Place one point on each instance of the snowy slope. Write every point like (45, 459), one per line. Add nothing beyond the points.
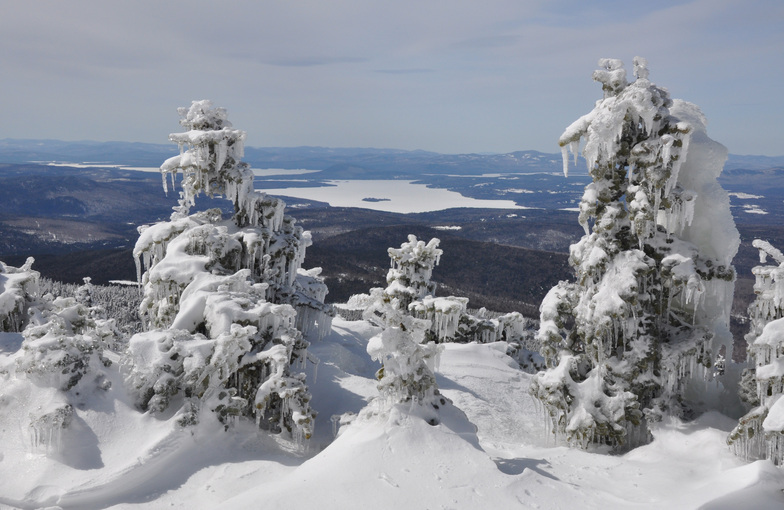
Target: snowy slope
(489, 451)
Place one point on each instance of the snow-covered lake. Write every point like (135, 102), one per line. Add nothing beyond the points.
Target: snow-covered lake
(390, 196)
(380, 195)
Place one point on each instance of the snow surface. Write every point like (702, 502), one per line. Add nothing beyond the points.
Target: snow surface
(489, 451)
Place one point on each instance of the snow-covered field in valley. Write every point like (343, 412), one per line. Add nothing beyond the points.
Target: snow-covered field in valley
(490, 449)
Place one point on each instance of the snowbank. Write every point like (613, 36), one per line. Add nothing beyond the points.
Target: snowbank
(489, 451)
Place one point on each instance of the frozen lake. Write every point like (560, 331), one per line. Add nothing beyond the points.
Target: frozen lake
(390, 196)
(396, 196)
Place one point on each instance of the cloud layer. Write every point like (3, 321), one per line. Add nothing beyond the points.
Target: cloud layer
(450, 76)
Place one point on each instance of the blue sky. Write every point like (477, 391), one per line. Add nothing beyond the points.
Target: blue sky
(450, 76)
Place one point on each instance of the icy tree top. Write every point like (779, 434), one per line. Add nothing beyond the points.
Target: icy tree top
(202, 116)
(634, 148)
(416, 256)
(650, 159)
(210, 154)
(412, 267)
(639, 105)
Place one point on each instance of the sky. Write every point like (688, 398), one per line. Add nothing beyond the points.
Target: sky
(450, 76)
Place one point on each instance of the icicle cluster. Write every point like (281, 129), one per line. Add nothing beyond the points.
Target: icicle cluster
(444, 314)
(47, 426)
(18, 290)
(214, 338)
(760, 433)
(654, 283)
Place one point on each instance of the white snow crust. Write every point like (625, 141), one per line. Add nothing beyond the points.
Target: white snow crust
(489, 450)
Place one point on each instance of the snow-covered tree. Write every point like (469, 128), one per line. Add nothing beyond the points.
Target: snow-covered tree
(649, 308)
(760, 433)
(408, 359)
(63, 354)
(409, 282)
(18, 289)
(225, 300)
(64, 343)
(409, 299)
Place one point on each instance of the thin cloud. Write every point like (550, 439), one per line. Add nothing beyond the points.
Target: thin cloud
(416, 70)
(495, 76)
(314, 61)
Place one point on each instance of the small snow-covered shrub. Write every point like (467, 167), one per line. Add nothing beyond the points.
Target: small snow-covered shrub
(120, 302)
(64, 343)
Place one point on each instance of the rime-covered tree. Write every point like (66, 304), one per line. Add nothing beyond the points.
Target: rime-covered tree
(760, 433)
(408, 359)
(65, 341)
(18, 290)
(415, 321)
(409, 282)
(226, 304)
(649, 307)
(63, 354)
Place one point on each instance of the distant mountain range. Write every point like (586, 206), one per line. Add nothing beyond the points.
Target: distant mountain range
(335, 163)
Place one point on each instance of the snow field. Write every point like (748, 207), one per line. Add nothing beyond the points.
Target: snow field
(489, 451)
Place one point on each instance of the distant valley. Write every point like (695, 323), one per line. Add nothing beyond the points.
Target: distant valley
(81, 221)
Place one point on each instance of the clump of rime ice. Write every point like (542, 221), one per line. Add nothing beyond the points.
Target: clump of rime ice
(760, 433)
(226, 303)
(650, 304)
